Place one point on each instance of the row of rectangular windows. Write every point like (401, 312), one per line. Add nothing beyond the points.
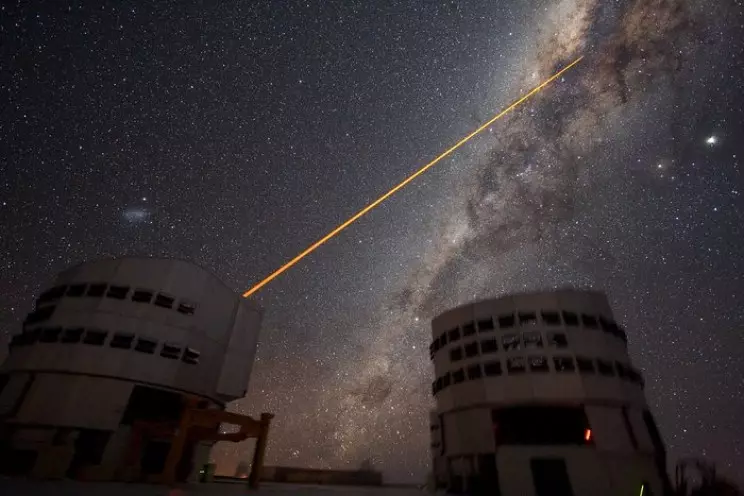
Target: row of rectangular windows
(509, 342)
(511, 320)
(97, 337)
(99, 290)
(538, 364)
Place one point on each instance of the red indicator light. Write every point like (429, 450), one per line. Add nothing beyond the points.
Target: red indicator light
(588, 435)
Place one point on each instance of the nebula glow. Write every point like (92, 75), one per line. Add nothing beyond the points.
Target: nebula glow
(136, 215)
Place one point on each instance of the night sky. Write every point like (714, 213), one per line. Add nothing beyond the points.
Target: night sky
(233, 134)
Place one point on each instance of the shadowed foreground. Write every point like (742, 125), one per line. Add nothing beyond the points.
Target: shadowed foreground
(18, 487)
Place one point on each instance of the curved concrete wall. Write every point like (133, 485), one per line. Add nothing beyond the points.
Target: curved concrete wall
(163, 322)
(512, 340)
(552, 349)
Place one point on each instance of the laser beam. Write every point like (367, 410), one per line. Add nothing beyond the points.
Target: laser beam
(307, 251)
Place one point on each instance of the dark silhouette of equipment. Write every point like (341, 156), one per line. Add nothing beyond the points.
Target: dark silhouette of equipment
(164, 449)
(197, 424)
(705, 481)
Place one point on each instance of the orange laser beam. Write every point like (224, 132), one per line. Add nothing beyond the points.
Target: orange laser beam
(407, 180)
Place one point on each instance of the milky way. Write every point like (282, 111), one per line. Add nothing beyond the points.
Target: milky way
(524, 190)
(236, 134)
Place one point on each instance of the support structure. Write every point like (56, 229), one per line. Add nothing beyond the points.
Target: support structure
(260, 450)
(203, 425)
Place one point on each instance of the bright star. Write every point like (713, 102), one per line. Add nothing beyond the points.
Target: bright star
(711, 140)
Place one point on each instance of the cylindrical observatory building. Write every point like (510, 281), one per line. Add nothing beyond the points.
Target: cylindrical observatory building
(535, 395)
(108, 360)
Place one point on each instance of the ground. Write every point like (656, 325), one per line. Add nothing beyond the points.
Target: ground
(18, 487)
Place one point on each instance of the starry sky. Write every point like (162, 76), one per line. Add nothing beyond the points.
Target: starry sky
(234, 134)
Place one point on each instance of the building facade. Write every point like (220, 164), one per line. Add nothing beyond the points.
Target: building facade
(113, 352)
(535, 395)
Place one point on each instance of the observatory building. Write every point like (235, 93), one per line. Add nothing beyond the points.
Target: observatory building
(115, 351)
(535, 395)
